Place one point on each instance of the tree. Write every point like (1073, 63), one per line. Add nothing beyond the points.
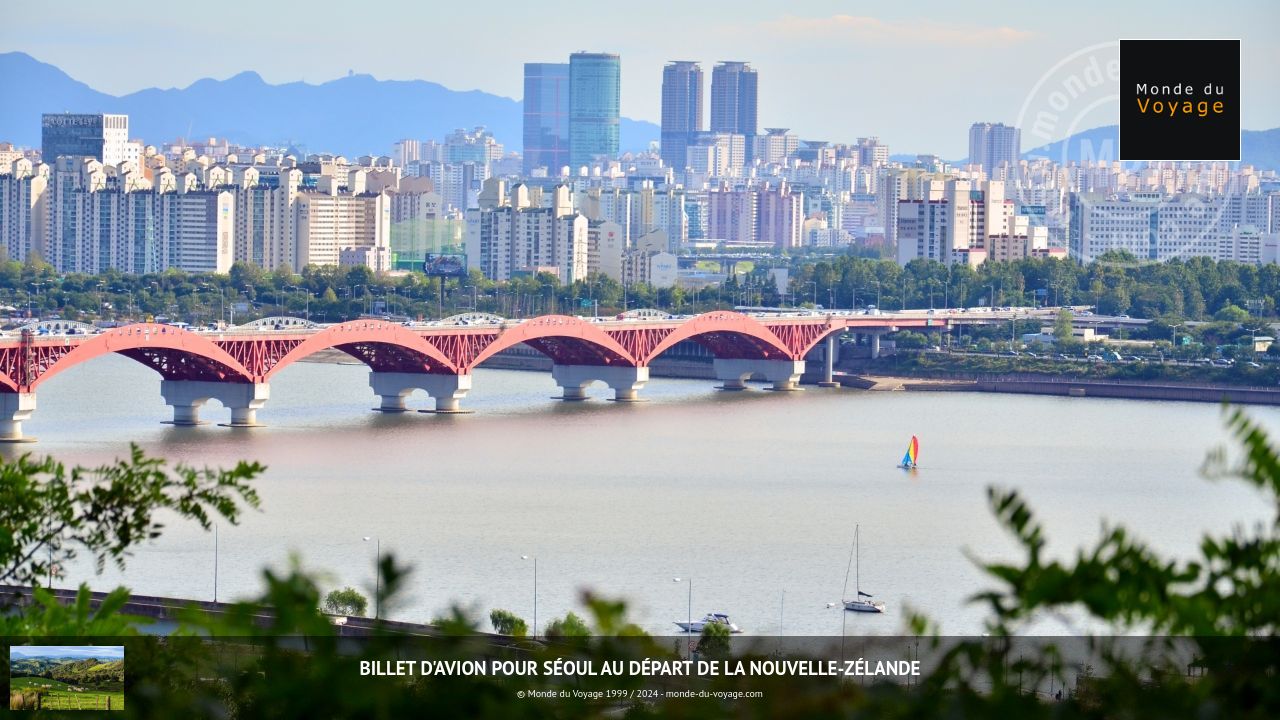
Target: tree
(1232, 314)
(1063, 329)
(506, 622)
(49, 514)
(714, 641)
(347, 601)
(570, 626)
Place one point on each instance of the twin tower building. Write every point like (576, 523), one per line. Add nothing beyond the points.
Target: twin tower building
(572, 113)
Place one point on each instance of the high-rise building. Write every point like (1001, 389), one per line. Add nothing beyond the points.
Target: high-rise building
(595, 82)
(1158, 226)
(104, 138)
(993, 145)
(546, 117)
(508, 233)
(22, 209)
(957, 221)
(681, 110)
(734, 88)
(329, 223)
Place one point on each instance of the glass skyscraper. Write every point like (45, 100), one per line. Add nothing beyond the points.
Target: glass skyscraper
(681, 110)
(734, 88)
(546, 116)
(595, 81)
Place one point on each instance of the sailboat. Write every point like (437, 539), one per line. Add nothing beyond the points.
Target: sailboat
(913, 452)
(858, 603)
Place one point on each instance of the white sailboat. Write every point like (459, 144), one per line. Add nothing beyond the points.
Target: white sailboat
(861, 601)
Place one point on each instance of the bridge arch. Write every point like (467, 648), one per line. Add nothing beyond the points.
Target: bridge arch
(566, 340)
(175, 353)
(728, 335)
(58, 327)
(382, 345)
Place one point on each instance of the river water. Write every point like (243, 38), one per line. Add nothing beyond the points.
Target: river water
(753, 495)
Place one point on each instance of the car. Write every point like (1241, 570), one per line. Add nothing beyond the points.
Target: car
(1253, 364)
(1031, 354)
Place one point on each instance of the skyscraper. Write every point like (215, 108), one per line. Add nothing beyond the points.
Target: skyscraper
(681, 110)
(734, 88)
(546, 116)
(595, 81)
(991, 145)
(101, 137)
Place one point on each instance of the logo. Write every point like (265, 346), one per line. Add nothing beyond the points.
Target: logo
(1180, 100)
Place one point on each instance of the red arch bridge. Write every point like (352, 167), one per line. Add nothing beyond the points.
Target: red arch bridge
(235, 365)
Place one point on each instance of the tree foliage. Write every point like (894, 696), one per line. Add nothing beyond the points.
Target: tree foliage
(506, 622)
(347, 601)
(49, 515)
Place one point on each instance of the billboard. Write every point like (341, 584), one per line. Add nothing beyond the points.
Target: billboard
(445, 265)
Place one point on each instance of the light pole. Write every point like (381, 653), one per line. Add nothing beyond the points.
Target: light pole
(534, 558)
(215, 562)
(689, 626)
(377, 588)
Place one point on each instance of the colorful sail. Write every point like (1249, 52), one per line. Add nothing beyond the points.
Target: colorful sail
(913, 452)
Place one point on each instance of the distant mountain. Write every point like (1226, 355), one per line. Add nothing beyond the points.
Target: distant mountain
(353, 115)
(1259, 148)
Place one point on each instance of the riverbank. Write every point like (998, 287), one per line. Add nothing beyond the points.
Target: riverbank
(892, 376)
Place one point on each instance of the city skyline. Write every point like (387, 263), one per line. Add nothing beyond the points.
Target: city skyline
(815, 60)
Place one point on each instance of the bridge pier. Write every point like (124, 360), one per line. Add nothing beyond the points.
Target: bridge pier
(829, 362)
(734, 372)
(188, 396)
(626, 381)
(875, 345)
(14, 409)
(394, 388)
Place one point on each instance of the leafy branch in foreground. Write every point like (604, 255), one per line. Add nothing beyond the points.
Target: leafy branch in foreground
(1232, 589)
(49, 515)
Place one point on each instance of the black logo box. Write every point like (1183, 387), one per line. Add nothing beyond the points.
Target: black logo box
(1188, 65)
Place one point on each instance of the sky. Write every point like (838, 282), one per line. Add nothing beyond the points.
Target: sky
(99, 652)
(916, 74)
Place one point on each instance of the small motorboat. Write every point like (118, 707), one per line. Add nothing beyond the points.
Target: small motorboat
(708, 619)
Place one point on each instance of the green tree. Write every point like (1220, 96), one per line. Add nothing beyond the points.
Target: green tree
(347, 601)
(49, 515)
(714, 641)
(1232, 314)
(570, 626)
(506, 622)
(1063, 325)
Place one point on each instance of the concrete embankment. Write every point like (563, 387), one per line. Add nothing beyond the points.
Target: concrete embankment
(867, 379)
(1108, 389)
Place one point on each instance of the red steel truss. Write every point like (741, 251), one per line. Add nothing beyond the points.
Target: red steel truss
(254, 355)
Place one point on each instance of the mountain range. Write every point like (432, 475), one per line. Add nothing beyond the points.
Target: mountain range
(353, 115)
(1259, 148)
(344, 115)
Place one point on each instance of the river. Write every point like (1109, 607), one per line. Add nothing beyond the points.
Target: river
(753, 495)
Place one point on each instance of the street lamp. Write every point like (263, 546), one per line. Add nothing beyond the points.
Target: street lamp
(689, 626)
(377, 588)
(215, 562)
(535, 592)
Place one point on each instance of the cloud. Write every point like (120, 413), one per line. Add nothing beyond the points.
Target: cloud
(870, 30)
